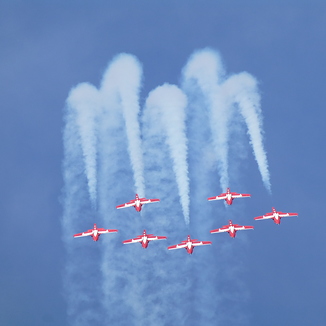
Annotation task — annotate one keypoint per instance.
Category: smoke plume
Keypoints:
(204, 75)
(123, 79)
(171, 102)
(84, 100)
(183, 140)
(243, 91)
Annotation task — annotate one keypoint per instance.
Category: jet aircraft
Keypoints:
(232, 229)
(137, 203)
(94, 233)
(144, 239)
(189, 244)
(276, 216)
(228, 196)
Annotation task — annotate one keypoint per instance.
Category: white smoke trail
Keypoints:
(123, 79)
(79, 274)
(84, 100)
(167, 277)
(243, 90)
(129, 289)
(105, 120)
(140, 285)
(120, 161)
(171, 102)
(205, 72)
(207, 87)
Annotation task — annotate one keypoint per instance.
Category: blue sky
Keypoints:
(273, 275)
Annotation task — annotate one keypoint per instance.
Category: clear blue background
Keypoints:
(47, 47)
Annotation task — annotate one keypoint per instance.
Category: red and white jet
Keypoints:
(138, 203)
(189, 244)
(232, 229)
(144, 239)
(228, 196)
(94, 233)
(276, 216)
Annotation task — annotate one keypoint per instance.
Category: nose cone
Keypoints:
(190, 250)
(138, 208)
(228, 201)
(144, 244)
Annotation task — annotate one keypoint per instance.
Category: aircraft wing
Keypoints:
(287, 214)
(148, 201)
(178, 246)
(83, 234)
(201, 243)
(131, 203)
(242, 227)
(154, 237)
(236, 195)
(222, 229)
(222, 196)
(134, 240)
(264, 217)
(101, 231)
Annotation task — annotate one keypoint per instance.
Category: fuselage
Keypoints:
(95, 235)
(190, 247)
(229, 198)
(144, 242)
(276, 216)
(138, 204)
(232, 231)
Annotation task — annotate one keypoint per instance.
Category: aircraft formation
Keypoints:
(188, 244)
